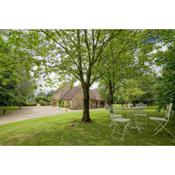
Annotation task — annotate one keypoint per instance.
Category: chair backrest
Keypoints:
(112, 115)
(129, 105)
(107, 107)
(168, 111)
(140, 105)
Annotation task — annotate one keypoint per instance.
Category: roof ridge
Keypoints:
(71, 92)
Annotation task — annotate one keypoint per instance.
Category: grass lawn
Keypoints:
(66, 129)
(8, 108)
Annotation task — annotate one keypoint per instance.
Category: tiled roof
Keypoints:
(71, 93)
(94, 94)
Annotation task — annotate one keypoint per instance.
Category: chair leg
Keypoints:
(111, 124)
(146, 121)
(139, 129)
(159, 125)
(124, 132)
(160, 128)
(169, 132)
(113, 130)
(116, 126)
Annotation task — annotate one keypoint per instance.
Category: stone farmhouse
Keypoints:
(72, 98)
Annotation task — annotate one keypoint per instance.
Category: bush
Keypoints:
(43, 103)
(61, 103)
(38, 98)
(30, 103)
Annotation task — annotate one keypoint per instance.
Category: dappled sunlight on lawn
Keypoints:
(67, 129)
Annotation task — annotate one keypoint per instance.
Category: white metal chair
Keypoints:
(112, 117)
(162, 122)
(116, 121)
(121, 130)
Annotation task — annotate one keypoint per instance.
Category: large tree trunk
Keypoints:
(111, 98)
(86, 116)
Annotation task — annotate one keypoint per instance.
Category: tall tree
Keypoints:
(165, 59)
(119, 63)
(16, 83)
(78, 53)
(127, 56)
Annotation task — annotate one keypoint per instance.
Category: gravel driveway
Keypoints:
(28, 113)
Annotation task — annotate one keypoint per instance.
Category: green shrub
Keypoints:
(38, 98)
(33, 103)
(43, 103)
(61, 103)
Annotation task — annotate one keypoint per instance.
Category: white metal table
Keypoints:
(138, 124)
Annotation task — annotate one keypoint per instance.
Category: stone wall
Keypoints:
(77, 101)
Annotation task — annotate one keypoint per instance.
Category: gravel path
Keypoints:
(28, 113)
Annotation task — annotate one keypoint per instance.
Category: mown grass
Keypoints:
(66, 129)
(8, 108)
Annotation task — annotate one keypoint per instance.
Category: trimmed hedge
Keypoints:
(43, 103)
(30, 103)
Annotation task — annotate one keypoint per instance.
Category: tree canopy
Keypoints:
(129, 65)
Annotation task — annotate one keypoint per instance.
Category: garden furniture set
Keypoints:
(120, 124)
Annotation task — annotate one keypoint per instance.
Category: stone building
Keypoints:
(72, 98)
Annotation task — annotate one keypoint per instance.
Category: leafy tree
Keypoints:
(7, 88)
(76, 54)
(147, 83)
(133, 92)
(119, 63)
(24, 90)
(138, 90)
(130, 92)
(16, 84)
(166, 80)
(42, 96)
(163, 61)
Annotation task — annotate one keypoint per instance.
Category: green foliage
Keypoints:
(166, 82)
(61, 103)
(113, 56)
(138, 90)
(33, 103)
(76, 54)
(7, 87)
(148, 98)
(16, 83)
(132, 93)
(15, 91)
(43, 97)
(165, 61)
(8, 108)
(122, 61)
(43, 103)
